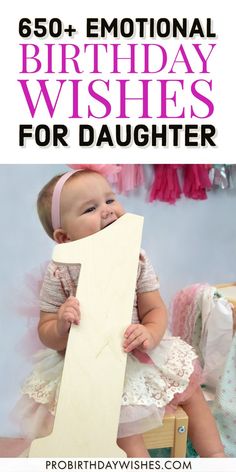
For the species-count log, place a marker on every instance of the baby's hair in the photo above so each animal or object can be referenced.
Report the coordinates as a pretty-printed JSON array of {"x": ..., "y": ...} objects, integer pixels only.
[{"x": 44, "y": 201}]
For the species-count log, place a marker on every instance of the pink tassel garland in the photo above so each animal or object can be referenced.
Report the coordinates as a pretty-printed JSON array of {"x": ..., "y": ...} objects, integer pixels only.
[
  {"x": 165, "y": 187},
  {"x": 196, "y": 181},
  {"x": 129, "y": 177}
]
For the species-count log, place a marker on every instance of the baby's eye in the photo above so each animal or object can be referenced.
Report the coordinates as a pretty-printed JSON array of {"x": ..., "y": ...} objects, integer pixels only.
[
  {"x": 90, "y": 209},
  {"x": 110, "y": 200}
]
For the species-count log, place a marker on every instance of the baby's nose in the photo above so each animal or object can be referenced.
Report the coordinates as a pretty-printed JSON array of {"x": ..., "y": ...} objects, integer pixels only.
[{"x": 106, "y": 212}]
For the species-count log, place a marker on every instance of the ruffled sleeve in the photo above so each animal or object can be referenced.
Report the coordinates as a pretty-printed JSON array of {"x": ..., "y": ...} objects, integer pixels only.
[
  {"x": 60, "y": 281},
  {"x": 147, "y": 281}
]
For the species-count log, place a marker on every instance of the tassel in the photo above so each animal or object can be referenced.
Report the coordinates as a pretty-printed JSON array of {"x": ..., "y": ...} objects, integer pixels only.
[
  {"x": 221, "y": 176},
  {"x": 165, "y": 186},
  {"x": 196, "y": 181},
  {"x": 129, "y": 177}
]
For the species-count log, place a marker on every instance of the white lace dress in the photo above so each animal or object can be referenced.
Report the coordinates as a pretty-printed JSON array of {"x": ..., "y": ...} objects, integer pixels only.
[{"x": 164, "y": 376}]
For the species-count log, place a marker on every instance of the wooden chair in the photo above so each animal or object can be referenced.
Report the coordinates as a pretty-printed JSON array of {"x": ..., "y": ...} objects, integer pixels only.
[{"x": 173, "y": 434}]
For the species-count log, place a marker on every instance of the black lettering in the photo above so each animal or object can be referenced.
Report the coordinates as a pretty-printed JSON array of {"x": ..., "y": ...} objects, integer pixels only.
[
  {"x": 160, "y": 23},
  {"x": 160, "y": 135},
  {"x": 189, "y": 133},
  {"x": 196, "y": 28},
  {"x": 176, "y": 129},
  {"x": 104, "y": 136},
  {"x": 59, "y": 132},
  {"x": 109, "y": 28},
  {"x": 24, "y": 133},
  {"x": 86, "y": 135},
  {"x": 207, "y": 132},
  {"x": 121, "y": 141},
  {"x": 141, "y": 139},
  {"x": 42, "y": 135}
]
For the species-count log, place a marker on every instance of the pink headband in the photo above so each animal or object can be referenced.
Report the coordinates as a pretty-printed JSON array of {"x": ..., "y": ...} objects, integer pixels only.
[
  {"x": 56, "y": 197},
  {"x": 105, "y": 170}
]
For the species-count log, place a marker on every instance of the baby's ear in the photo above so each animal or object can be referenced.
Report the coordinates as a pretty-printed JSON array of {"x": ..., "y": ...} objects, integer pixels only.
[{"x": 60, "y": 236}]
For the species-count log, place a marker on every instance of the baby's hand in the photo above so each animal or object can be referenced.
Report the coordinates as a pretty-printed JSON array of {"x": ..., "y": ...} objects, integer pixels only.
[
  {"x": 68, "y": 313},
  {"x": 137, "y": 336}
]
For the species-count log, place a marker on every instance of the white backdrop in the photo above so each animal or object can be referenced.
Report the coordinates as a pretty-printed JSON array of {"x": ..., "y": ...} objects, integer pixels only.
[{"x": 191, "y": 241}]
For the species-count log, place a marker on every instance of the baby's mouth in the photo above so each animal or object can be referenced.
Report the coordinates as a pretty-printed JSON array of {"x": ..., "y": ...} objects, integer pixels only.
[{"x": 109, "y": 224}]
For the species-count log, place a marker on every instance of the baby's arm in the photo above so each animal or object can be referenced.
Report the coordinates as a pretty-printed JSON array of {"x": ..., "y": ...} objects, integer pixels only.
[
  {"x": 53, "y": 328},
  {"x": 153, "y": 317}
]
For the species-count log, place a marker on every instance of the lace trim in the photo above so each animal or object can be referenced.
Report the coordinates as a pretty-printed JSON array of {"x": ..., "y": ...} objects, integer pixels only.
[
  {"x": 145, "y": 384},
  {"x": 42, "y": 392},
  {"x": 149, "y": 384}
]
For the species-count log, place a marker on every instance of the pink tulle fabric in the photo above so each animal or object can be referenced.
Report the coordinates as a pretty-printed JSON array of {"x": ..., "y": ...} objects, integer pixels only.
[
  {"x": 184, "y": 311},
  {"x": 108, "y": 170},
  {"x": 197, "y": 181},
  {"x": 130, "y": 177},
  {"x": 165, "y": 186},
  {"x": 29, "y": 415},
  {"x": 33, "y": 418},
  {"x": 28, "y": 307}
]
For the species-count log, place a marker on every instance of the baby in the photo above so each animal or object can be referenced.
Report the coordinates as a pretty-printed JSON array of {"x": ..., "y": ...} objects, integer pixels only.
[{"x": 161, "y": 372}]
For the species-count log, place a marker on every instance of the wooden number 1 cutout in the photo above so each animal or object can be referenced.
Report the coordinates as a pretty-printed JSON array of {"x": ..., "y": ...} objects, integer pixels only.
[{"x": 88, "y": 408}]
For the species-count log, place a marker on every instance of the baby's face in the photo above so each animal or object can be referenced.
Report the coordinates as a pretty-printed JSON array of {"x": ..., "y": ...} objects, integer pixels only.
[{"x": 88, "y": 205}]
